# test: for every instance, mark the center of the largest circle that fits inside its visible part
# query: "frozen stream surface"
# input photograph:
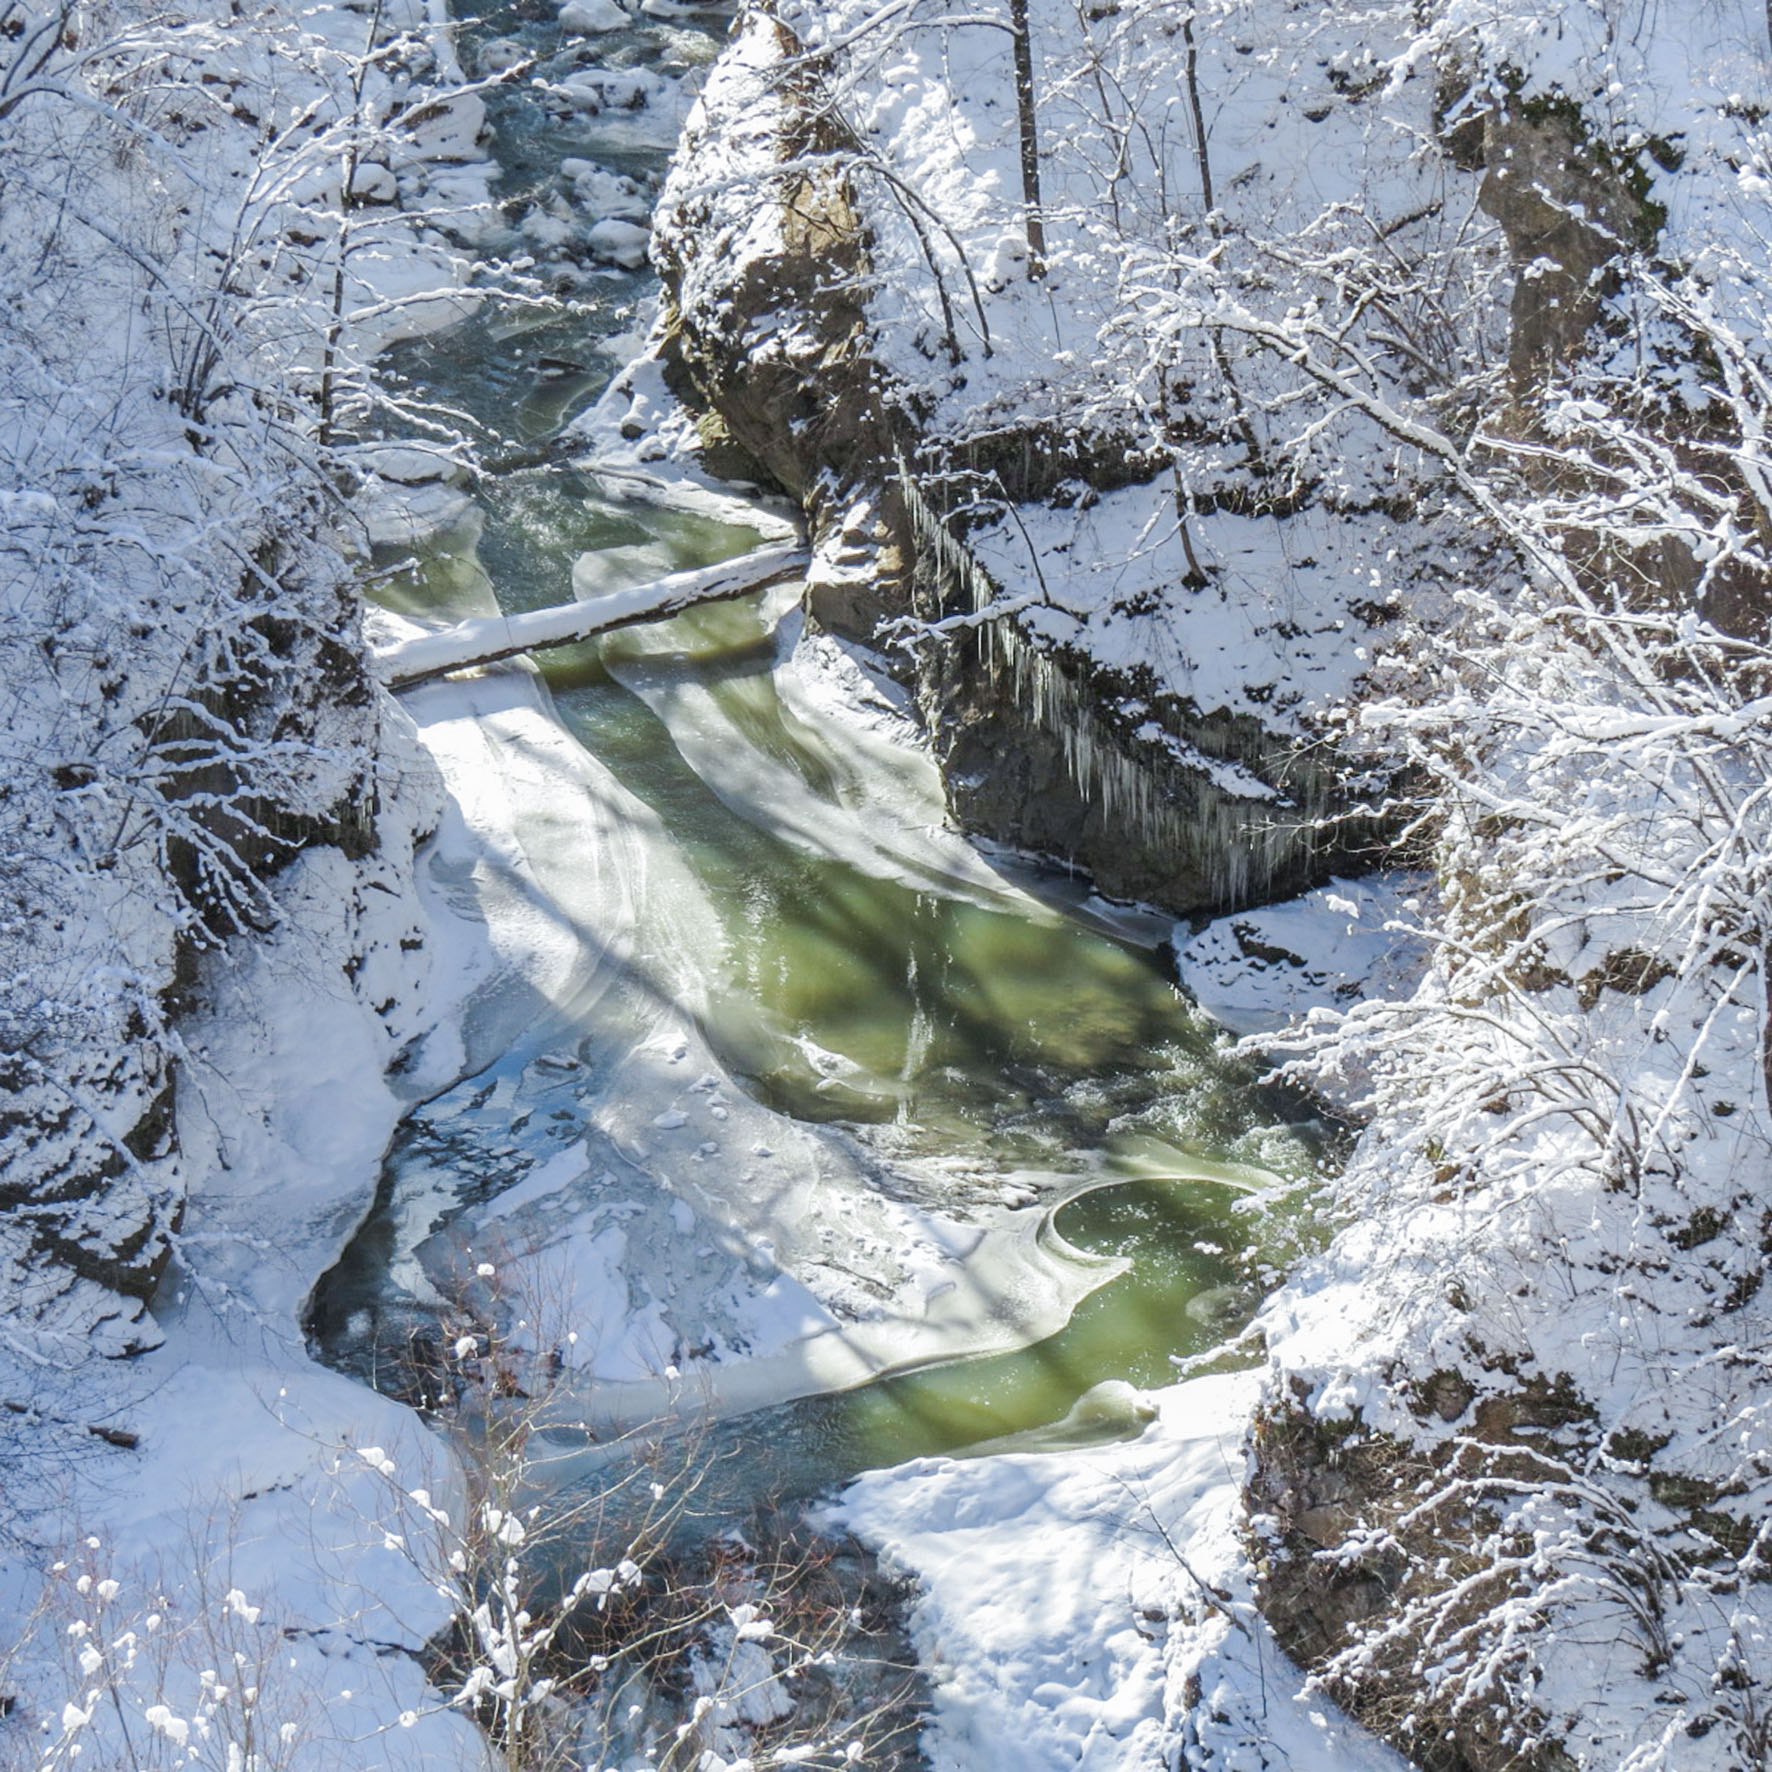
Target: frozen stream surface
(769, 1083)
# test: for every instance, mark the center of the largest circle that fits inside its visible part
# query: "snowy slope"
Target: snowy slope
(205, 803)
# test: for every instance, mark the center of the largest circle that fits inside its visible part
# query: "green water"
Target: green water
(1017, 1035)
(1027, 1052)
(1189, 1281)
(1185, 1286)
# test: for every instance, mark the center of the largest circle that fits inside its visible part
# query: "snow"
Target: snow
(679, 1214)
(1262, 970)
(1203, 616)
(619, 242)
(244, 1462)
(623, 108)
(590, 18)
(1277, 635)
(1090, 1610)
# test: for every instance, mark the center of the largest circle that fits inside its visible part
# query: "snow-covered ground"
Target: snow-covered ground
(246, 1481)
(1090, 1610)
(1264, 970)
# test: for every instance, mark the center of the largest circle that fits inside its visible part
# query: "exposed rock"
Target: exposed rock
(1569, 209)
(1318, 1488)
(1036, 754)
(767, 334)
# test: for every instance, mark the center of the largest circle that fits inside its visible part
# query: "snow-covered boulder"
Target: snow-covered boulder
(596, 90)
(1258, 970)
(374, 184)
(501, 53)
(591, 18)
(607, 193)
(619, 243)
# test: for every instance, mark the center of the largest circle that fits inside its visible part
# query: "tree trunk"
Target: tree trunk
(1030, 140)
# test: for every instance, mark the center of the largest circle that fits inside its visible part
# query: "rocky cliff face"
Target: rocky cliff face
(1459, 307)
(765, 242)
(187, 704)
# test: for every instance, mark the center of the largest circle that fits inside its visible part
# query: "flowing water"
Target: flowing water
(804, 1071)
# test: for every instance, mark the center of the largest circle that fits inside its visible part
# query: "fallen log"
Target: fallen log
(486, 639)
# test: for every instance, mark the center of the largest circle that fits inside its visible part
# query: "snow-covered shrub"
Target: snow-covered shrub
(1512, 1477)
(157, 1676)
(603, 1612)
(186, 306)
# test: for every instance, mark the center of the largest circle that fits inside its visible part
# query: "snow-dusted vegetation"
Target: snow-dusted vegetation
(202, 249)
(1265, 441)
(188, 306)
(1528, 1517)
(1394, 376)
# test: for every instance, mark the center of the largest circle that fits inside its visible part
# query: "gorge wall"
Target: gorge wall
(1075, 746)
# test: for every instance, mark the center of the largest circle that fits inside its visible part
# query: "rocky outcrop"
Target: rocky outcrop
(1035, 756)
(1319, 1487)
(766, 334)
(1569, 208)
(766, 331)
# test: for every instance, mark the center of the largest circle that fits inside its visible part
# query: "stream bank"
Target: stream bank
(1161, 726)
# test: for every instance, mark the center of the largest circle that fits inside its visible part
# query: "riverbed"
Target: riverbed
(782, 1114)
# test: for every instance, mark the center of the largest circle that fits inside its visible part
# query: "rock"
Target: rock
(1567, 212)
(605, 193)
(591, 18)
(619, 243)
(501, 53)
(768, 334)
(547, 228)
(408, 464)
(374, 184)
(595, 90)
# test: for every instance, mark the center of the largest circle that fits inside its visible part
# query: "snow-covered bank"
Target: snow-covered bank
(212, 953)
(1266, 970)
(1416, 353)
(1132, 597)
(1091, 1611)
(187, 707)
(241, 1521)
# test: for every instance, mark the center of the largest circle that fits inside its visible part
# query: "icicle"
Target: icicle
(1181, 816)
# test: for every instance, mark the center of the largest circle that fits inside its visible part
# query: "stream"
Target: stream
(777, 1106)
